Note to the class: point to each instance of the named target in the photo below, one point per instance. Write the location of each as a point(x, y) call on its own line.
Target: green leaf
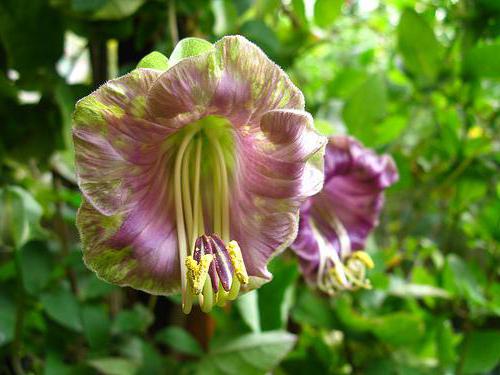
point(189, 47)
point(114, 366)
point(483, 61)
point(226, 15)
point(459, 279)
point(326, 12)
point(7, 320)
point(136, 320)
point(62, 307)
point(422, 53)
point(32, 34)
point(36, 265)
point(20, 215)
point(399, 328)
point(96, 326)
point(399, 287)
point(480, 351)
point(154, 60)
point(259, 33)
point(276, 298)
point(312, 309)
point(366, 105)
point(179, 340)
point(255, 353)
point(446, 342)
point(117, 9)
point(248, 306)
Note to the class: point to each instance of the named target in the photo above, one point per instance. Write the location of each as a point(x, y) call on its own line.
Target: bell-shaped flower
point(193, 176)
point(335, 223)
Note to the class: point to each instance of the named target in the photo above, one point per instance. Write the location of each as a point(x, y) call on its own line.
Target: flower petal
point(355, 178)
point(235, 80)
point(278, 168)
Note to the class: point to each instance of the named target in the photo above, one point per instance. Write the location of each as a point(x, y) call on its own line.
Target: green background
point(416, 79)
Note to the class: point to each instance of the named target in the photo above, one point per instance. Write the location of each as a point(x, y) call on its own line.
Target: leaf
point(154, 60)
point(114, 366)
point(255, 353)
point(459, 279)
point(326, 12)
point(422, 53)
point(136, 320)
point(248, 306)
point(446, 342)
point(312, 309)
point(483, 61)
point(480, 351)
point(399, 328)
point(20, 215)
point(189, 47)
point(276, 298)
point(7, 320)
point(62, 307)
point(225, 16)
point(96, 326)
point(401, 288)
point(36, 265)
point(179, 340)
point(259, 33)
point(117, 9)
point(366, 105)
point(32, 33)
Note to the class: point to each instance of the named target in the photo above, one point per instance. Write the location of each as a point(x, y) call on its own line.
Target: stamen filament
point(181, 230)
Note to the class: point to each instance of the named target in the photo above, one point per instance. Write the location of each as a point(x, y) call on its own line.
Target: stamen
point(181, 230)
point(197, 271)
point(364, 257)
point(237, 260)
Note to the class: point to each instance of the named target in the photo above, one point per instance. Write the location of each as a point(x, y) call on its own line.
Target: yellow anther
point(237, 260)
point(336, 275)
point(197, 271)
point(364, 258)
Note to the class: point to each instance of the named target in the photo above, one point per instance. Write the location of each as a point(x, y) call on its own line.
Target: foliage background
point(417, 79)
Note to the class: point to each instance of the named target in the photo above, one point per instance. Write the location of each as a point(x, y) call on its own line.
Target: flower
point(193, 177)
point(335, 223)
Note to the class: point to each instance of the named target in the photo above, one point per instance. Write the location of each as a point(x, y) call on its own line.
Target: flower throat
point(211, 265)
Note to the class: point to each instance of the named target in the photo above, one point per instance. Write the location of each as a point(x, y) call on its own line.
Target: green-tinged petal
point(189, 47)
point(154, 60)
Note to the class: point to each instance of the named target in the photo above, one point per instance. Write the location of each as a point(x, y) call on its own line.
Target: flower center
point(344, 269)
point(202, 171)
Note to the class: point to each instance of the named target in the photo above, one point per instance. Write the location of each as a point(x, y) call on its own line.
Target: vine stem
point(16, 345)
point(172, 23)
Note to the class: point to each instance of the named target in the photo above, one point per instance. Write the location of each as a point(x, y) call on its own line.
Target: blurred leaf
point(480, 351)
point(259, 33)
point(225, 16)
point(399, 328)
point(36, 265)
point(401, 288)
point(20, 215)
point(154, 60)
point(483, 61)
point(312, 309)
point(96, 326)
point(276, 297)
point(114, 366)
point(87, 5)
point(327, 11)
point(117, 9)
point(459, 279)
point(248, 306)
point(179, 340)
point(255, 353)
point(7, 320)
point(32, 34)
point(136, 320)
point(93, 287)
point(422, 53)
point(366, 105)
point(446, 344)
point(62, 307)
point(189, 47)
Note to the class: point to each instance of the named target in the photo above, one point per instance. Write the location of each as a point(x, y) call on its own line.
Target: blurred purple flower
point(180, 169)
point(335, 223)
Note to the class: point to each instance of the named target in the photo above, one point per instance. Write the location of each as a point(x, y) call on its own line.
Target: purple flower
point(335, 223)
point(193, 177)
